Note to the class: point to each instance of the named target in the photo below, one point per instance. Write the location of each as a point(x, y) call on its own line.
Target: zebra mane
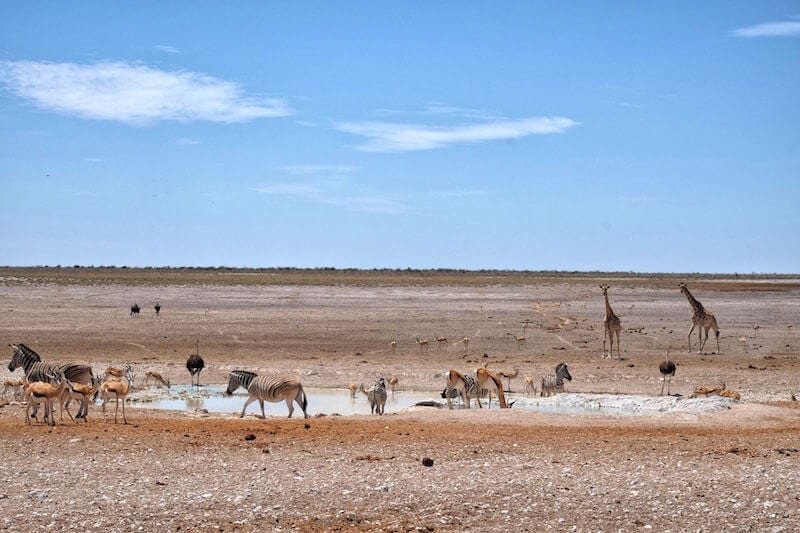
point(27, 352)
point(244, 373)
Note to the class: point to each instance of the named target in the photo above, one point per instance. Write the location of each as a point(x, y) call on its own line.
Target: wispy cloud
point(183, 141)
point(168, 49)
point(134, 93)
point(459, 193)
point(307, 170)
point(785, 28)
point(312, 193)
point(392, 137)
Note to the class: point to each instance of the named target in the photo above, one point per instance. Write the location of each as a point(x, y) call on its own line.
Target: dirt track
point(510, 470)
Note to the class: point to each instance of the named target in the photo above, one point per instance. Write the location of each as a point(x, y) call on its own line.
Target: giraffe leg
point(690, 338)
point(605, 334)
point(619, 353)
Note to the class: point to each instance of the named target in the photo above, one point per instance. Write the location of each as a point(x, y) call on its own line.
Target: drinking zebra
point(38, 370)
point(268, 388)
point(554, 383)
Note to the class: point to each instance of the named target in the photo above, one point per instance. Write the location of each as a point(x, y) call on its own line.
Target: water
point(329, 401)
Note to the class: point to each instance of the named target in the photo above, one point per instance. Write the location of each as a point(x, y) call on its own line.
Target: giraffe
point(701, 319)
point(611, 326)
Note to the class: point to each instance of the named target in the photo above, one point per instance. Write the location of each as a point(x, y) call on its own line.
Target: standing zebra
point(377, 396)
point(554, 383)
point(38, 370)
point(268, 388)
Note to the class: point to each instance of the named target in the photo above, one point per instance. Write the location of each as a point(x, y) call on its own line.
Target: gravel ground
point(728, 469)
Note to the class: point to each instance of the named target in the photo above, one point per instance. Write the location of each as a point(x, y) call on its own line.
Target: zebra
point(554, 383)
point(38, 370)
point(268, 388)
point(470, 385)
point(135, 310)
point(377, 396)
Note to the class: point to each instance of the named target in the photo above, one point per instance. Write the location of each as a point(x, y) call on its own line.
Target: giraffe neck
point(609, 311)
point(697, 307)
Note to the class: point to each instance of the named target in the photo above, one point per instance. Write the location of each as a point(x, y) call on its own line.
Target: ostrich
point(195, 364)
point(667, 368)
point(158, 308)
point(135, 310)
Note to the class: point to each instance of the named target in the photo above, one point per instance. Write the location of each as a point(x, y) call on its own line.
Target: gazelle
point(393, 345)
point(17, 388)
point(41, 392)
point(487, 380)
point(159, 379)
point(509, 376)
point(465, 342)
point(392, 383)
point(423, 345)
point(520, 341)
point(353, 389)
point(530, 388)
point(119, 390)
point(79, 392)
point(441, 342)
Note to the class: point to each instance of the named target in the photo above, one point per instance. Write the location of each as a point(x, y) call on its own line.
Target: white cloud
point(392, 137)
point(312, 193)
point(288, 189)
point(134, 93)
point(183, 141)
point(459, 193)
point(168, 49)
point(785, 28)
point(306, 170)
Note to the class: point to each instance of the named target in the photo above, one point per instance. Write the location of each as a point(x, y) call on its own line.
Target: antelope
point(393, 345)
point(119, 390)
point(441, 342)
point(79, 392)
point(16, 386)
point(41, 392)
point(465, 342)
point(487, 380)
point(509, 376)
point(520, 341)
point(423, 345)
point(530, 388)
point(392, 383)
point(353, 389)
point(159, 379)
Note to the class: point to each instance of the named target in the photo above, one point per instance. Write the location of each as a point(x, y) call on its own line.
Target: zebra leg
point(261, 403)
point(290, 405)
point(250, 400)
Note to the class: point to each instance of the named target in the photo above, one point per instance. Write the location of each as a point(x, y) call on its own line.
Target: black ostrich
point(135, 310)
point(195, 364)
point(158, 308)
point(667, 368)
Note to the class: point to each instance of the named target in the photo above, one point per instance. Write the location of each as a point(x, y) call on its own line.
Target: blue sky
point(520, 135)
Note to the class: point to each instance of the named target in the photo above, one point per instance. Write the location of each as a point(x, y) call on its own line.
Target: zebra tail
point(305, 399)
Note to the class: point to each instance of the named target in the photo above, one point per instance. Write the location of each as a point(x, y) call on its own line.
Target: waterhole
point(329, 401)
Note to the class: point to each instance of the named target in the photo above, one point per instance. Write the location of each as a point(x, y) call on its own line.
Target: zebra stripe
point(377, 397)
point(239, 378)
point(466, 387)
point(554, 383)
point(271, 389)
point(38, 370)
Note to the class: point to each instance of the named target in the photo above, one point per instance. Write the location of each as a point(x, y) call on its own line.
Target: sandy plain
point(493, 470)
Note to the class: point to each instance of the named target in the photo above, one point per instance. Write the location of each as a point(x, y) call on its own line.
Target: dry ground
point(510, 470)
